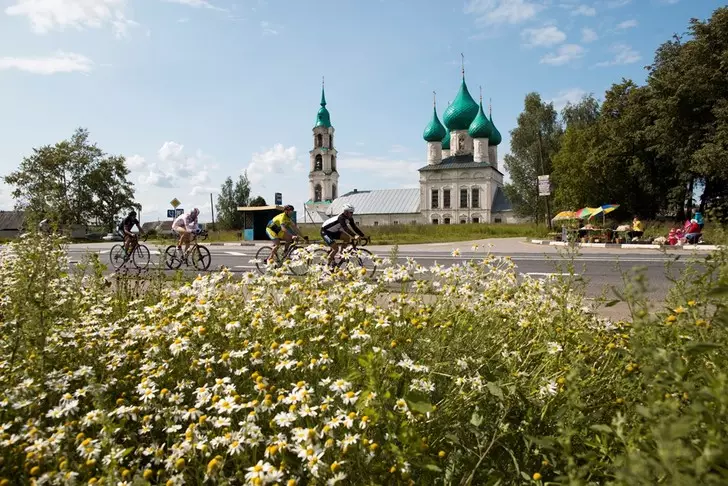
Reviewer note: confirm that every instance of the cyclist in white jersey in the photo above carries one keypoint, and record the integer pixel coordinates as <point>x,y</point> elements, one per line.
<point>338,228</point>
<point>185,225</point>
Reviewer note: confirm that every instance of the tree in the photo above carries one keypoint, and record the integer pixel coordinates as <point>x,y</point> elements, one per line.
<point>534,142</point>
<point>230,198</point>
<point>257,201</point>
<point>72,182</point>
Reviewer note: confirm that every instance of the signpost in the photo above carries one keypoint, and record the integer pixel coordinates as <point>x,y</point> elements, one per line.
<point>279,199</point>
<point>175,203</point>
<point>544,185</point>
<point>179,211</point>
<point>170,213</point>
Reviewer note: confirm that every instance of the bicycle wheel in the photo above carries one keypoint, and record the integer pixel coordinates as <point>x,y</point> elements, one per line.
<point>298,261</point>
<point>201,258</point>
<point>171,258</point>
<point>141,257</point>
<point>360,259</point>
<point>117,255</point>
<point>261,258</point>
<point>320,257</point>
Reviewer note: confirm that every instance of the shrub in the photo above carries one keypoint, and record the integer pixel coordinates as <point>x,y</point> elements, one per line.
<point>461,375</point>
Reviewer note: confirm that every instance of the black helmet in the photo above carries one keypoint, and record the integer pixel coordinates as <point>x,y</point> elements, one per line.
<point>132,213</point>
<point>287,207</point>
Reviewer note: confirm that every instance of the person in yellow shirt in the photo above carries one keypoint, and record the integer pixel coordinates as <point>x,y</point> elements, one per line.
<point>282,227</point>
<point>637,230</point>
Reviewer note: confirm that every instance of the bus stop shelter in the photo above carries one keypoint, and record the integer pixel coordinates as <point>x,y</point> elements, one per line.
<point>256,219</point>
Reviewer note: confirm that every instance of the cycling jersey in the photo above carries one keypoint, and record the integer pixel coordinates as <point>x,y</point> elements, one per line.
<point>186,221</point>
<point>128,223</point>
<point>278,222</point>
<point>337,224</point>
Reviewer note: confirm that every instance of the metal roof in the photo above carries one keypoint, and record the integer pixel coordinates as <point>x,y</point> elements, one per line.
<point>500,201</point>
<point>259,208</point>
<point>11,220</point>
<point>383,201</point>
<point>458,162</point>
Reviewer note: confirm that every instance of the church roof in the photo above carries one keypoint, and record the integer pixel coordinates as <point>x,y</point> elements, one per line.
<point>495,136</point>
<point>434,131</point>
<point>481,127</point>
<point>382,201</point>
<point>460,114</point>
<point>323,119</point>
<point>500,202</point>
<point>455,162</point>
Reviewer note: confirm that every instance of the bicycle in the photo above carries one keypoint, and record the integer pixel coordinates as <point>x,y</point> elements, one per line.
<point>139,254</point>
<point>298,265</point>
<point>174,256</point>
<point>352,256</point>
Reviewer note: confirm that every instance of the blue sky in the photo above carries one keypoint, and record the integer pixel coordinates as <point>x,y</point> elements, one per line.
<point>192,91</point>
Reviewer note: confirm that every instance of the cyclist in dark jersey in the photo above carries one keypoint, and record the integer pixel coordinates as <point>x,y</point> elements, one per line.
<point>125,229</point>
<point>337,228</point>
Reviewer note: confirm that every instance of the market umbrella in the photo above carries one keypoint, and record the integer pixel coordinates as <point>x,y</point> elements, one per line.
<point>588,212</point>
<point>564,215</point>
<point>606,209</point>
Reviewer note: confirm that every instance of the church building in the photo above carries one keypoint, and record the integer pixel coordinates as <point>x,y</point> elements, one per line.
<point>461,182</point>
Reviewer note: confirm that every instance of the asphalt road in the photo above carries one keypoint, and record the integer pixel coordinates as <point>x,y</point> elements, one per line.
<point>602,269</point>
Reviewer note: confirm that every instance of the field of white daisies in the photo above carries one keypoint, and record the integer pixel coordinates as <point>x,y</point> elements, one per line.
<point>464,375</point>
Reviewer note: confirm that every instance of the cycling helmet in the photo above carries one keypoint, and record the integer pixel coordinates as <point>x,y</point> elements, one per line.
<point>195,211</point>
<point>348,207</point>
<point>287,207</point>
<point>132,213</point>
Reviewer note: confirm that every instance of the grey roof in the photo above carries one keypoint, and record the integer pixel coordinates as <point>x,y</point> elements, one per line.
<point>500,202</point>
<point>11,220</point>
<point>383,201</point>
<point>458,162</point>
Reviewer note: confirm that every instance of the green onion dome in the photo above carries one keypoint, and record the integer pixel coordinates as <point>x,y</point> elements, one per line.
<point>460,114</point>
<point>446,140</point>
<point>481,127</point>
<point>323,118</point>
<point>434,131</point>
<point>495,136</point>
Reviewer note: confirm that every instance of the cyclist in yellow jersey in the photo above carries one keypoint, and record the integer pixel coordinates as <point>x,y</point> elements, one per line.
<point>282,227</point>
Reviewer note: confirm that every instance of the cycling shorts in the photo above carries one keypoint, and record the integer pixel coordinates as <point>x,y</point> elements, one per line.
<point>331,237</point>
<point>275,236</point>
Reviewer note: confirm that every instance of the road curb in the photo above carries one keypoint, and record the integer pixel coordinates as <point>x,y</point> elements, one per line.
<point>628,246</point>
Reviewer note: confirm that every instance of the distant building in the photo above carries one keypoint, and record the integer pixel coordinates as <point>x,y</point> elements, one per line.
<point>461,182</point>
<point>11,223</point>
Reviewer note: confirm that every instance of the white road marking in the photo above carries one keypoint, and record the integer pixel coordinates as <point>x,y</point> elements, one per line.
<point>545,274</point>
<point>235,253</point>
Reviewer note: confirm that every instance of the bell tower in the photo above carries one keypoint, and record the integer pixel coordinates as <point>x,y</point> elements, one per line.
<point>323,177</point>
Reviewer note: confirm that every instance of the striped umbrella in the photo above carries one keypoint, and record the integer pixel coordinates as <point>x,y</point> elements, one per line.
<point>588,212</point>
<point>606,209</point>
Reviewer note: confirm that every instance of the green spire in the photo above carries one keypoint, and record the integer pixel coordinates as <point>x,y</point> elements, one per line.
<point>463,110</point>
<point>323,119</point>
<point>495,136</point>
<point>434,131</point>
<point>481,126</point>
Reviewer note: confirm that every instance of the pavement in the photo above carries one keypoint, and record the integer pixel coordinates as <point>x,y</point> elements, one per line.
<point>601,268</point>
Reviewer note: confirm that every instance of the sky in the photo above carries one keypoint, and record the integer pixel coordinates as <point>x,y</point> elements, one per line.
<point>194,91</point>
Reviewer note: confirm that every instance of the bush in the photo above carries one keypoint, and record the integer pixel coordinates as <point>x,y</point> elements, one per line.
<point>464,375</point>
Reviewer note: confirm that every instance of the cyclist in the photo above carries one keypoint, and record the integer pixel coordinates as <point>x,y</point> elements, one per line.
<point>125,229</point>
<point>185,225</point>
<point>337,228</point>
<point>44,226</point>
<point>282,227</point>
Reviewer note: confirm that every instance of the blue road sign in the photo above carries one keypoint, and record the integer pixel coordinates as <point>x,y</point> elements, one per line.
<point>170,213</point>
<point>180,211</point>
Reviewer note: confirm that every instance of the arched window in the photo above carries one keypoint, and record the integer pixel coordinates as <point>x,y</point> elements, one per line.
<point>333,163</point>
<point>319,140</point>
<point>319,162</point>
<point>317,193</point>
<point>334,194</point>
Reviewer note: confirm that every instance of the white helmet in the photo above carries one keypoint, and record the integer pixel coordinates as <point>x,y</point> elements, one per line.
<point>348,207</point>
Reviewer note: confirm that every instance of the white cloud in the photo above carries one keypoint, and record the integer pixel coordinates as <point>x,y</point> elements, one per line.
<point>588,35</point>
<point>386,169</point>
<point>623,54</point>
<point>199,190</point>
<point>584,10</point>
<point>136,162</point>
<point>627,24</point>
<point>563,55</point>
<point>544,36</point>
<point>489,12</point>
<point>61,62</point>
<point>398,149</point>
<point>618,3</point>
<point>48,15</point>
<point>197,4</point>
<point>268,28</point>
<point>174,167</point>
<point>276,160</point>
<point>571,95</point>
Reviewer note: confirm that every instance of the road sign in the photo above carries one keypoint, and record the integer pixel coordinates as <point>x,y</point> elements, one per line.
<point>544,185</point>
<point>175,202</point>
<point>170,213</point>
<point>279,199</point>
<point>179,211</point>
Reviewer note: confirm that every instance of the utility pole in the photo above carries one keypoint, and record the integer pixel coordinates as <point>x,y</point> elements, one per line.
<point>543,172</point>
<point>212,209</point>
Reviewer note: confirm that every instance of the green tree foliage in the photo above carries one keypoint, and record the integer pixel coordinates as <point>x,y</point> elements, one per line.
<point>257,201</point>
<point>73,182</point>
<point>534,142</point>
<point>233,195</point>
